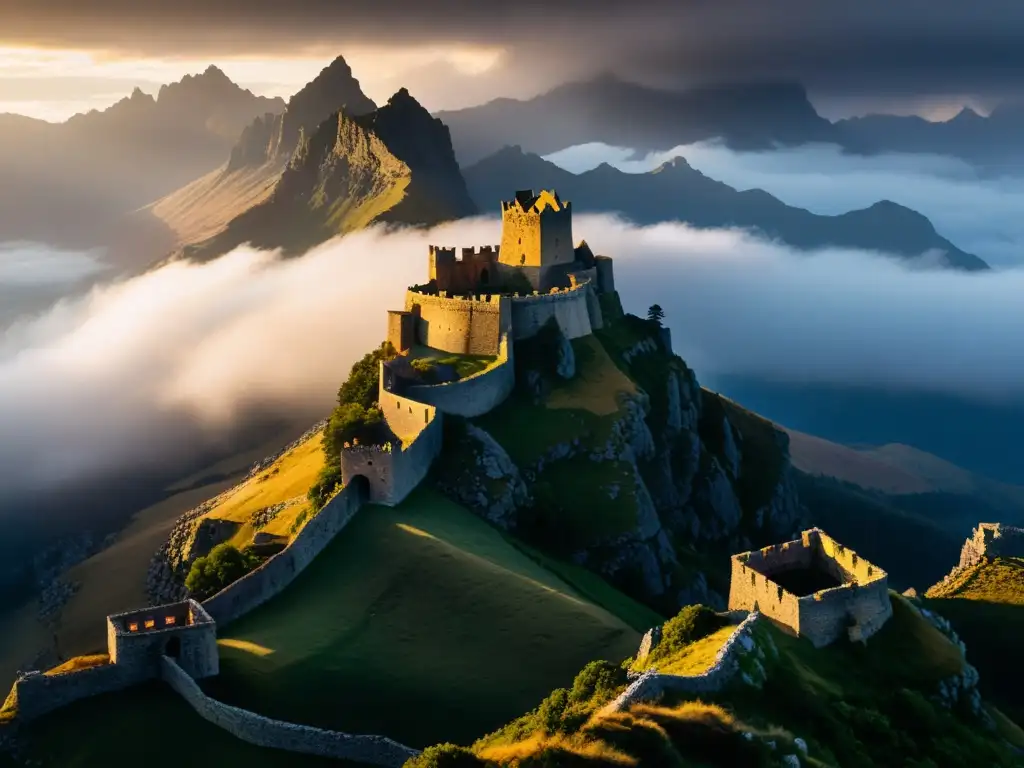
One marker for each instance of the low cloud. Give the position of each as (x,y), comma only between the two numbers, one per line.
(979,214)
(144,371)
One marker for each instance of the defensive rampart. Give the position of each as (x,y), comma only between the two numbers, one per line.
(38,693)
(271,578)
(857,608)
(476,394)
(569,307)
(459,325)
(276,734)
(651,684)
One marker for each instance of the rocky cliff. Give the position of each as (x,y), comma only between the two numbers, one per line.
(394,165)
(275,136)
(653,496)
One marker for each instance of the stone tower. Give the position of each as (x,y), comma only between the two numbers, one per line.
(536,233)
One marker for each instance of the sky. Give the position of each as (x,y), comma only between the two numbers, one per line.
(189,352)
(978,213)
(925,56)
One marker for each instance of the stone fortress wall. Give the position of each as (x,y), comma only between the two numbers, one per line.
(857,608)
(136,642)
(576,310)
(477,394)
(992,540)
(458,325)
(271,578)
(266,732)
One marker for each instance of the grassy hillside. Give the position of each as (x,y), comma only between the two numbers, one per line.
(852,706)
(419,622)
(985,605)
(148,726)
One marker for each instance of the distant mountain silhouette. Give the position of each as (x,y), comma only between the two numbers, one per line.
(995,142)
(67,183)
(676,191)
(624,114)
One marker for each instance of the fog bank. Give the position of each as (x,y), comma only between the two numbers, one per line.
(144,371)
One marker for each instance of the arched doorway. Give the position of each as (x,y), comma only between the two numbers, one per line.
(361,486)
(173,648)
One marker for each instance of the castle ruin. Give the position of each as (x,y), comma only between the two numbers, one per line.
(813,586)
(477,303)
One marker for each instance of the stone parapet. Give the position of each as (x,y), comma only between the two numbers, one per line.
(277,734)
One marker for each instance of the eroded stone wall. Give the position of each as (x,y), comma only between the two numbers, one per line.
(460,326)
(992,540)
(652,684)
(750,590)
(277,734)
(569,308)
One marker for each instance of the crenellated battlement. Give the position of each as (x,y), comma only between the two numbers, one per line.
(813,585)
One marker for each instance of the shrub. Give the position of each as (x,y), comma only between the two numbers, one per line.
(350,422)
(223,565)
(326,484)
(688,626)
(361,385)
(445,756)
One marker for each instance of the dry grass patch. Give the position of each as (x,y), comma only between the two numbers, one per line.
(542,749)
(598,385)
(79,663)
(697,658)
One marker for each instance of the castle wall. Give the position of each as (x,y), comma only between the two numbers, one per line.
(753,591)
(271,578)
(475,395)
(277,734)
(460,326)
(401,330)
(394,471)
(605,274)
(520,238)
(856,609)
(39,694)
(405,416)
(568,307)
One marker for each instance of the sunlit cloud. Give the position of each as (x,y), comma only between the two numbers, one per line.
(377,69)
(188,352)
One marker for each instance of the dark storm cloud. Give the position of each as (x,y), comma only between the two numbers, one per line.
(912,46)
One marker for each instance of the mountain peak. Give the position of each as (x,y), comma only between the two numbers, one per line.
(677,163)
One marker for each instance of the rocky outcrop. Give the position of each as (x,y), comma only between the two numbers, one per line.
(694,472)
(959,690)
(274,136)
(987,541)
(488,482)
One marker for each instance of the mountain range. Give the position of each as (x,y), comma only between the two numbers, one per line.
(746,116)
(676,191)
(331,163)
(70,183)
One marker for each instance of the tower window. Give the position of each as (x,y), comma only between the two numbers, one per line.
(520,241)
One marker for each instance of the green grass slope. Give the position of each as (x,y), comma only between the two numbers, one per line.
(149,726)
(853,705)
(419,622)
(985,605)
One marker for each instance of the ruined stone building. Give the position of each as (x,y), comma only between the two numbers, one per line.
(813,586)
